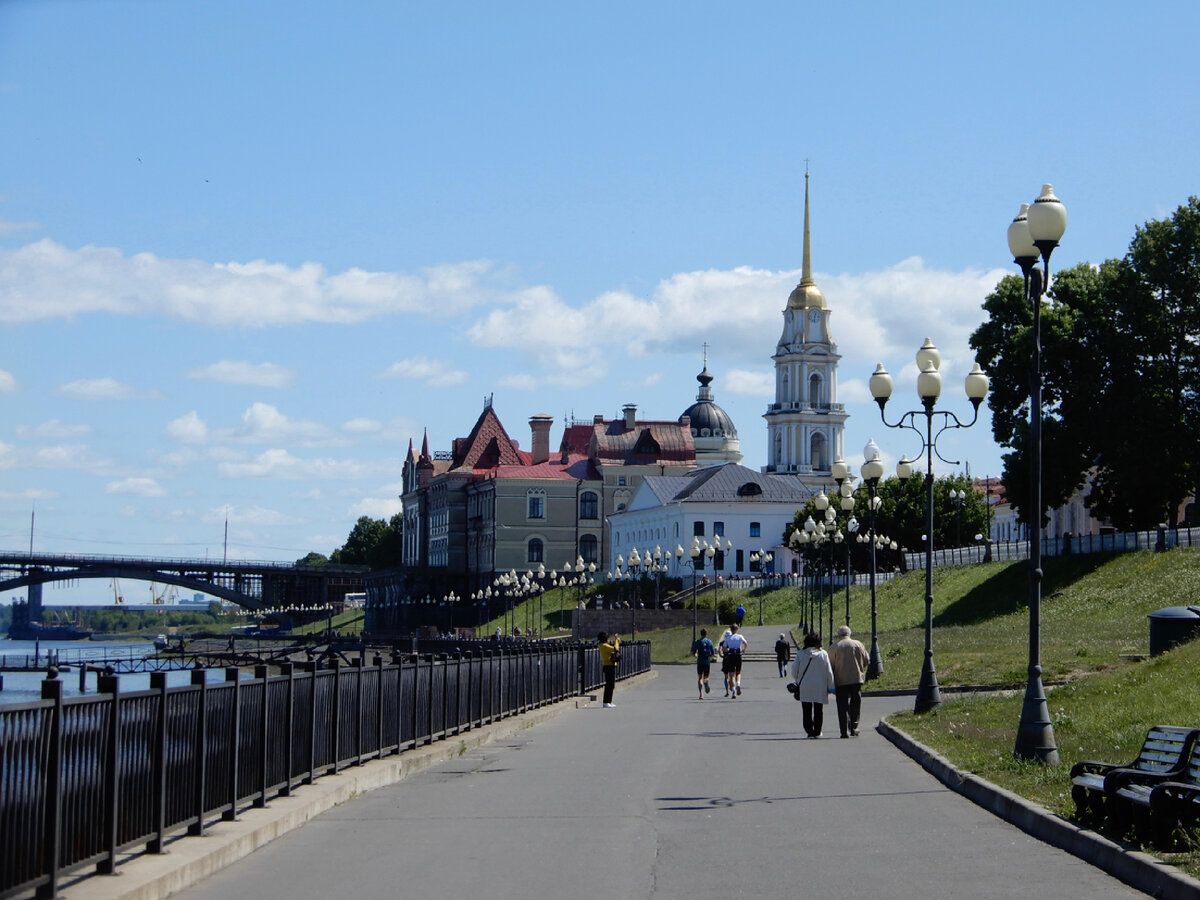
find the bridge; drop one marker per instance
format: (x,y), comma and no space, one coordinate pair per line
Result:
(251,585)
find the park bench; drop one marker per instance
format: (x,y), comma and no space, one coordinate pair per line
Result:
(1164,753)
(1157,805)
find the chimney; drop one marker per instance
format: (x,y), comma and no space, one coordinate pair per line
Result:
(630,410)
(539,426)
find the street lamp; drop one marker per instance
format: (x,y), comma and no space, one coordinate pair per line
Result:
(929,387)
(693,554)
(872,471)
(1036,231)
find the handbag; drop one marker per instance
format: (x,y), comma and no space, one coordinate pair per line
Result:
(795,689)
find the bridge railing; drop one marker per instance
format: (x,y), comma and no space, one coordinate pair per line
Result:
(83,779)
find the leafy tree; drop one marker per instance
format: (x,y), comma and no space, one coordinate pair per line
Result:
(313,559)
(372,542)
(1121,377)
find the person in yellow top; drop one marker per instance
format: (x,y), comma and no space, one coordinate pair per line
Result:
(609,656)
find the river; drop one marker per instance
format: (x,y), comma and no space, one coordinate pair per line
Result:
(21,687)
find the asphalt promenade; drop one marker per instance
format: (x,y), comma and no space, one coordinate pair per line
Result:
(664,796)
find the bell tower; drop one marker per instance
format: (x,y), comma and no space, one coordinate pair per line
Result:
(805,423)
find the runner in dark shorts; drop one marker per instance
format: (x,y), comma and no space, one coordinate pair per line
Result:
(731,665)
(703,650)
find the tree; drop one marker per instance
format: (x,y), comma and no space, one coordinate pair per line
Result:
(372,542)
(1152,371)
(1121,377)
(313,559)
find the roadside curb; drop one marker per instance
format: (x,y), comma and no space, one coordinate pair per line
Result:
(189,860)
(1137,869)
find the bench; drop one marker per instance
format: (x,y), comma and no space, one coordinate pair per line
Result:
(1163,756)
(1165,803)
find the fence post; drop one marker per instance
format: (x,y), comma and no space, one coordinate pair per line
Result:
(289,735)
(200,754)
(52,689)
(233,677)
(312,724)
(262,673)
(379,697)
(158,682)
(109,684)
(336,715)
(358,710)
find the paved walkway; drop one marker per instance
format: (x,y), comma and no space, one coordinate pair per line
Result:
(665,796)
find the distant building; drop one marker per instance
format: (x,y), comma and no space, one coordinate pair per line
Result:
(727,504)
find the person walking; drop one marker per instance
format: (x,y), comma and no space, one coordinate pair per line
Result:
(814,683)
(783,654)
(735,645)
(849,659)
(704,651)
(609,657)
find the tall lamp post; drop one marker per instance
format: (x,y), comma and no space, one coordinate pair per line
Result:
(1036,231)
(692,555)
(872,471)
(929,388)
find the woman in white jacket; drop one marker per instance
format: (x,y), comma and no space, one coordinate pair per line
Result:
(814,683)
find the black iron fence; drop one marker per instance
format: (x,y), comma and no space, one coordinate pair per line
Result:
(83,779)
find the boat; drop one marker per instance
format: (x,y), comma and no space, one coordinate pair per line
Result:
(161,642)
(23,629)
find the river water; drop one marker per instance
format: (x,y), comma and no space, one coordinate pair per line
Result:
(21,687)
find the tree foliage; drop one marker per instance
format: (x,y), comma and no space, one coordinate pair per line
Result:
(1121,377)
(372,542)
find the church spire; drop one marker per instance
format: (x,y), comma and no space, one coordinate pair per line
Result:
(807,294)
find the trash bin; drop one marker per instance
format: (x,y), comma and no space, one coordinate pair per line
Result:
(1172,626)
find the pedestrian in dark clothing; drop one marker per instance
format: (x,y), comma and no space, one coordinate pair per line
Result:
(783,654)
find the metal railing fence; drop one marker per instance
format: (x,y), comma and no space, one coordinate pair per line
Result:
(83,779)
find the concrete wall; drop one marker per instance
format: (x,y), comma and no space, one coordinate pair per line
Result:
(589,622)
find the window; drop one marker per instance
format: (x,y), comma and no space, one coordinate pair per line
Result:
(588,549)
(755,529)
(698,529)
(537,552)
(537,505)
(621,480)
(719,528)
(589,507)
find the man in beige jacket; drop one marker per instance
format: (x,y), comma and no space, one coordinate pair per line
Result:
(849,659)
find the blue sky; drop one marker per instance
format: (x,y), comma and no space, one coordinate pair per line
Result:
(249,250)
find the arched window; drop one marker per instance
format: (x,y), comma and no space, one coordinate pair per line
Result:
(588,548)
(537,552)
(589,506)
(817,453)
(814,389)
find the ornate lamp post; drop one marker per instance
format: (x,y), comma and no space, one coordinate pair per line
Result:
(690,561)
(929,388)
(1035,231)
(872,471)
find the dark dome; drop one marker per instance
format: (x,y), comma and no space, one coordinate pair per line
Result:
(709,419)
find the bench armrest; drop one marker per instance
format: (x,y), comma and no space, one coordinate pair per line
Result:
(1115,779)
(1092,767)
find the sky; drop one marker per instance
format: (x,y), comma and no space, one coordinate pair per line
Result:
(248,251)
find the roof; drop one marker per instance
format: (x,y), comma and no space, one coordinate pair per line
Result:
(728,483)
(646,443)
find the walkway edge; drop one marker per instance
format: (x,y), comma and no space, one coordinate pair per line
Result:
(1138,870)
(189,860)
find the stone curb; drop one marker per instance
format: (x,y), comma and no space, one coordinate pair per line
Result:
(189,860)
(1138,870)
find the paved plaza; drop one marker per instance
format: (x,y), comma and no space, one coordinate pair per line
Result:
(664,796)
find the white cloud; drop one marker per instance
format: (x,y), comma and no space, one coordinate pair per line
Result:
(434,373)
(7,227)
(27,493)
(46,280)
(251,515)
(752,384)
(139,487)
(188,429)
(263,423)
(7,457)
(376,507)
(68,456)
(362,426)
(8,384)
(228,371)
(52,430)
(282,465)
(96,389)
